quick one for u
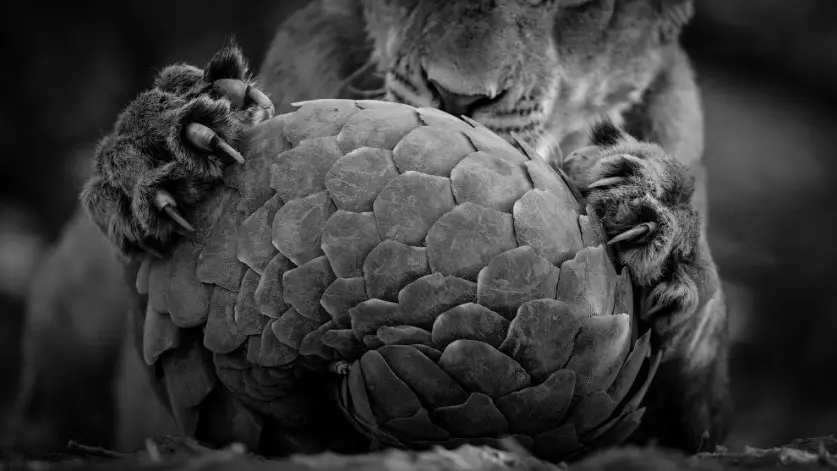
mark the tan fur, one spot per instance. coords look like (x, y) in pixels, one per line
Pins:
(558, 68)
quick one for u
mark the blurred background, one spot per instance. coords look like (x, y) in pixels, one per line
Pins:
(767, 70)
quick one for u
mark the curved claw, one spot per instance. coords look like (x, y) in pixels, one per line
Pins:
(634, 233)
(260, 99)
(239, 92)
(178, 218)
(163, 198)
(605, 182)
(587, 151)
(226, 149)
(205, 139)
(235, 91)
(165, 203)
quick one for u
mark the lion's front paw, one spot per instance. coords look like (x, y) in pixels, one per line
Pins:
(643, 197)
(169, 148)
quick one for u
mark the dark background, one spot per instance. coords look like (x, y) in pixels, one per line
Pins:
(768, 70)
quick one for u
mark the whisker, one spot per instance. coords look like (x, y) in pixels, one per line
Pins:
(346, 84)
(357, 73)
(369, 94)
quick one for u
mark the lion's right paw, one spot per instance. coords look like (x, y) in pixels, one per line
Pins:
(642, 195)
(169, 149)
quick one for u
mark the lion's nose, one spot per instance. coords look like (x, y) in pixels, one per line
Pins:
(455, 103)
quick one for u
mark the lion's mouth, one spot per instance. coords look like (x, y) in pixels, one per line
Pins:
(463, 105)
(509, 114)
(524, 121)
(502, 114)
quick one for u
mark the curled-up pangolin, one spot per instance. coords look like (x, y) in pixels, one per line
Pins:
(365, 266)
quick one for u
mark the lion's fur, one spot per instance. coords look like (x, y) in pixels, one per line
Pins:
(550, 71)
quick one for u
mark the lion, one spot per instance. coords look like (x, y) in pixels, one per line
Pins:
(607, 77)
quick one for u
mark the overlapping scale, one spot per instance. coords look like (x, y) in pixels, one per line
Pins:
(159, 335)
(514, 277)
(379, 128)
(190, 306)
(248, 318)
(252, 181)
(303, 287)
(347, 239)
(409, 205)
(542, 336)
(269, 294)
(469, 321)
(298, 227)
(431, 150)
(540, 222)
(218, 262)
(221, 335)
(470, 291)
(588, 282)
(537, 408)
(340, 296)
(255, 236)
(391, 265)
(463, 240)
(489, 180)
(301, 171)
(355, 180)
